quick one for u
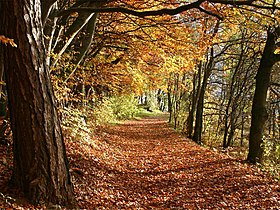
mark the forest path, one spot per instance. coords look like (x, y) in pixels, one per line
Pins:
(145, 164)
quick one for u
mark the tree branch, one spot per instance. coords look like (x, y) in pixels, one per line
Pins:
(275, 92)
(277, 57)
(45, 9)
(233, 2)
(246, 3)
(275, 84)
(210, 13)
(165, 11)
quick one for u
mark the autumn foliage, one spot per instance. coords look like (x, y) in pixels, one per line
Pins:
(199, 66)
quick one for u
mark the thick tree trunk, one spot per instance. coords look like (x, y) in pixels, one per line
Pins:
(259, 112)
(40, 163)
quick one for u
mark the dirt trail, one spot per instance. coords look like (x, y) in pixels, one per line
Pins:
(144, 164)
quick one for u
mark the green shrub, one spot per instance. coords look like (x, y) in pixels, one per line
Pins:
(271, 148)
(124, 107)
(79, 123)
(76, 125)
(103, 113)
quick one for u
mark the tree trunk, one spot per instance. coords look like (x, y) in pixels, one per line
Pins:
(190, 119)
(231, 134)
(259, 112)
(169, 99)
(199, 109)
(40, 164)
(200, 103)
(195, 95)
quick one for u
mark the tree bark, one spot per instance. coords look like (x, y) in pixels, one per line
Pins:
(40, 164)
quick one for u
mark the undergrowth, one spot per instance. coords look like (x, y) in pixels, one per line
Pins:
(271, 148)
(80, 123)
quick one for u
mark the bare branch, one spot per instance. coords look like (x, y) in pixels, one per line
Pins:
(233, 2)
(165, 11)
(168, 11)
(210, 13)
(275, 84)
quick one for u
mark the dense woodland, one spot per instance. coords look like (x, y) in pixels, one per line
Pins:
(68, 67)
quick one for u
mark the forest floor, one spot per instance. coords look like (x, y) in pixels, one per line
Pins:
(145, 164)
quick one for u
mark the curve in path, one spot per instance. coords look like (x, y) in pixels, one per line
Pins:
(147, 165)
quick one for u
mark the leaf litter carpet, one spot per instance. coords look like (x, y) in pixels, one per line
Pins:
(145, 164)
